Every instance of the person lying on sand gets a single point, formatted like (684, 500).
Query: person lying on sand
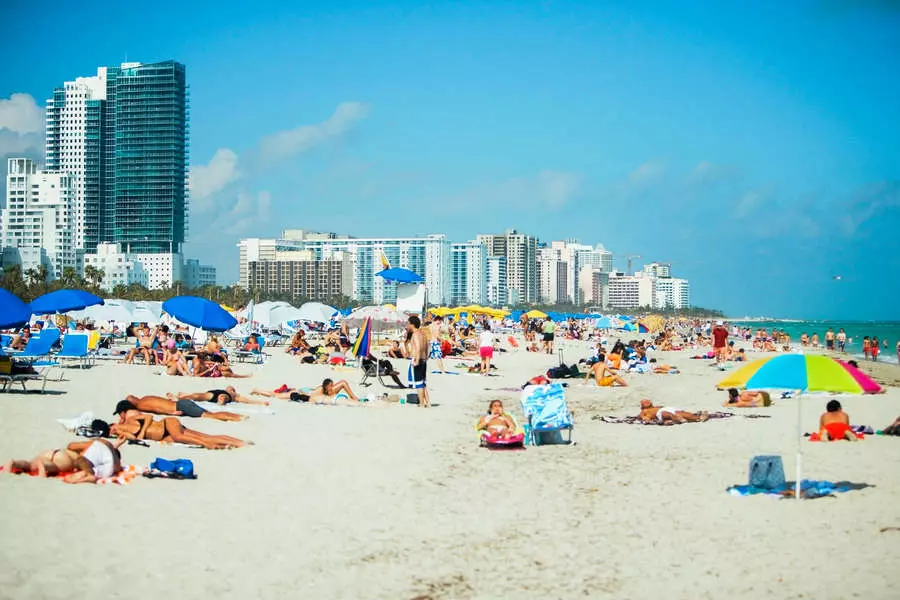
(139, 426)
(220, 397)
(834, 424)
(893, 428)
(668, 415)
(496, 422)
(79, 462)
(603, 376)
(327, 393)
(171, 406)
(747, 399)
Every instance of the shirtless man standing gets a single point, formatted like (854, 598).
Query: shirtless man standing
(418, 352)
(169, 406)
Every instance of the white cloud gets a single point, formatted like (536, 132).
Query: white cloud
(208, 179)
(647, 173)
(298, 140)
(248, 213)
(558, 187)
(21, 114)
(868, 202)
(748, 203)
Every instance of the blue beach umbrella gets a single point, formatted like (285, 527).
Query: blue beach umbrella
(199, 312)
(13, 311)
(62, 301)
(400, 275)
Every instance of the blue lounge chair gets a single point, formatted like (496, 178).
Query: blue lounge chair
(74, 348)
(251, 356)
(39, 346)
(546, 412)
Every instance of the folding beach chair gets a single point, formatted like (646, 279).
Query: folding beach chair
(75, 349)
(545, 410)
(40, 372)
(250, 356)
(39, 346)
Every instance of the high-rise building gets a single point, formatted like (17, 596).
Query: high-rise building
(553, 280)
(673, 292)
(198, 275)
(496, 286)
(468, 268)
(302, 277)
(427, 256)
(520, 252)
(39, 213)
(657, 270)
(593, 286)
(123, 135)
(632, 291)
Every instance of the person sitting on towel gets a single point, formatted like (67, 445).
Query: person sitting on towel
(171, 406)
(747, 399)
(668, 415)
(834, 424)
(603, 376)
(496, 423)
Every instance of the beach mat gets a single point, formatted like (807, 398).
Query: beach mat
(635, 420)
(809, 489)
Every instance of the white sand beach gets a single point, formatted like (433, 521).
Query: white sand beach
(400, 502)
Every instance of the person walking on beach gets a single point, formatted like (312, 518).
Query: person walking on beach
(841, 339)
(874, 348)
(548, 329)
(866, 347)
(435, 331)
(720, 341)
(418, 351)
(829, 339)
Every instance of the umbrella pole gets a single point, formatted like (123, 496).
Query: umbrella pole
(799, 460)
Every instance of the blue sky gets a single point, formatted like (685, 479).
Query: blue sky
(757, 150)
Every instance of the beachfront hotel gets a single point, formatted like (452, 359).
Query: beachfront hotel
(119, 141)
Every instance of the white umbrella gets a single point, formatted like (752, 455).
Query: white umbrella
(102, 313)
(316, 312)
(149, 312)
(382, 318)
(274, 316)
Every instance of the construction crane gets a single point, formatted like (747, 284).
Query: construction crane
(629, 258)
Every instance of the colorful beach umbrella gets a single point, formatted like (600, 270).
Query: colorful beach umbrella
(363, 341)
(400, 275)
(808, 373)
(536, 314)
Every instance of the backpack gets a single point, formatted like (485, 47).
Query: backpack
(767, 472)
(180, 468)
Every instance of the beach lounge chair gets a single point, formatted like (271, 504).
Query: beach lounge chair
(546, 412)
(39, 346)
(257, 357)
(376, 369)
(75, 349)
(40, 371)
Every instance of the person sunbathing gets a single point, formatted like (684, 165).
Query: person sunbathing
(143, 346)
(140, 426)
(747, 399)
(206, 365)
(665, 369)
(220, 397)
(176, 364)
(834, 424)
(79, 462)
(668, 415)
(893, 428)
(603, 376)
(497, 423)
(327, 393)
(171, 406)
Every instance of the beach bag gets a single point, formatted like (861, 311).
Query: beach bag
(180, 468)
(767, 472)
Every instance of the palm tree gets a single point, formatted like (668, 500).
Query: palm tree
(94, 275)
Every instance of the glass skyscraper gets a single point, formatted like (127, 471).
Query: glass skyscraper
(123, 135)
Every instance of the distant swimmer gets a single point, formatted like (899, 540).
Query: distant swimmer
(836, 277)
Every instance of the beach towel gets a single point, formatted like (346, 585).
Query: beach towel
(83, 420)
(637, 420)
(809, 489)
(128, 473)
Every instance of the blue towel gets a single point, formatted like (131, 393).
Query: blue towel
(808, 488)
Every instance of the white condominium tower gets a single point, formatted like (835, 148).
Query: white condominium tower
(39, 214)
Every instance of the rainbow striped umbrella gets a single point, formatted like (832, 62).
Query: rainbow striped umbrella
(364, 340)
(807, 373)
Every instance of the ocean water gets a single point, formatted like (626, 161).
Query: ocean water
(855, 330)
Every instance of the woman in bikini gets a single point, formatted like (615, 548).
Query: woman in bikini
(497, 423)
(79, 462)
(747, 399)
(220, 397)
(170, 430)
(327, 393)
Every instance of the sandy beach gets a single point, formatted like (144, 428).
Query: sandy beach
(400, 502)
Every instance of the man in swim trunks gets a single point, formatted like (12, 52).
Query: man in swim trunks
(834, 424)
(720, 341)
(603, 376)
(418, 352)
(548, 331)
(220, 397)
(667, 415)
(171, 406)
